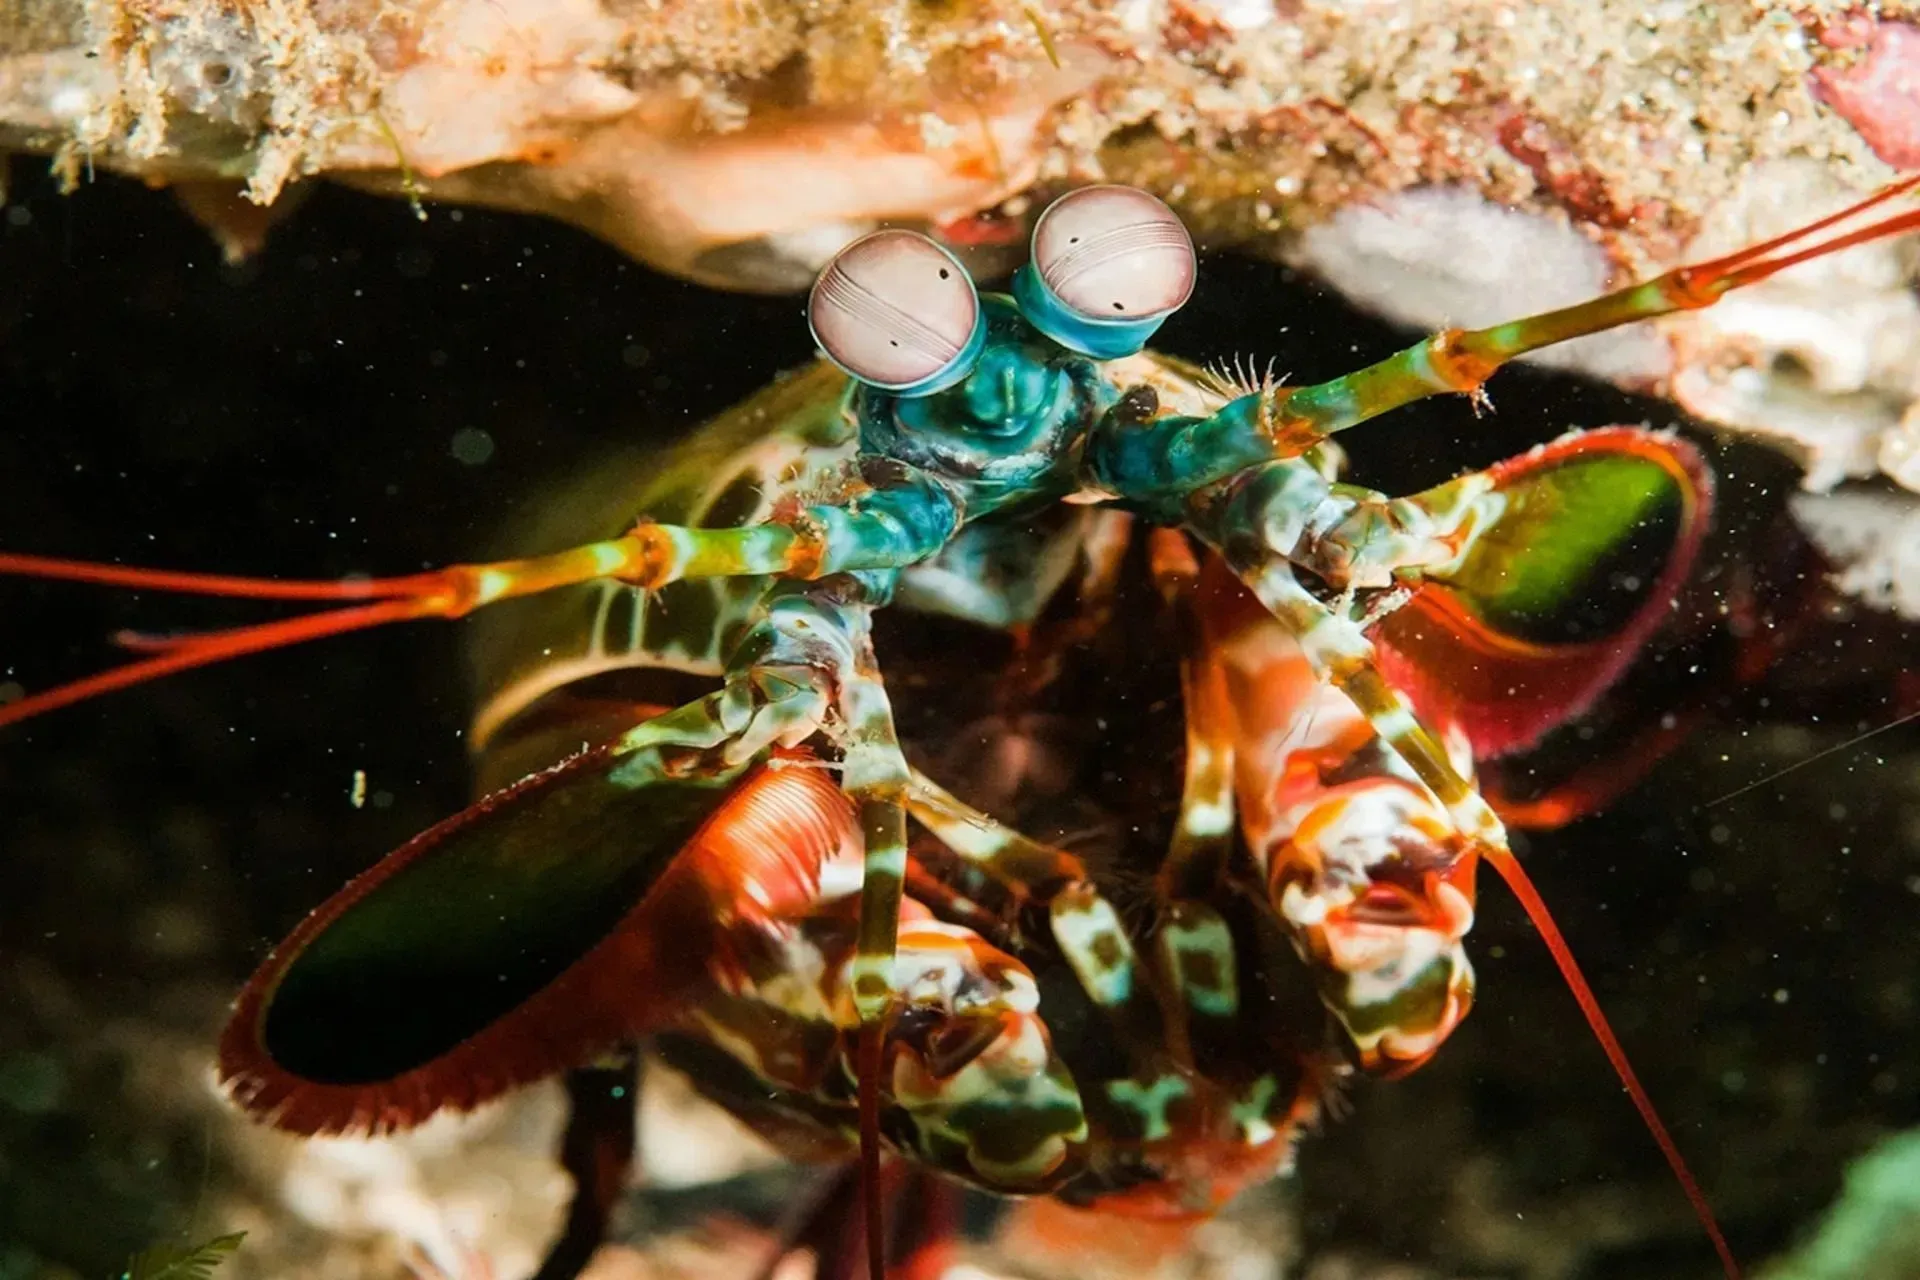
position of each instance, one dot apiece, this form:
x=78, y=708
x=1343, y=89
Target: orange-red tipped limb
x=1707, y=281
x=1456, y=360
x=441, y=593
x=1517, y=880
x=186, y=652
x=212, y=584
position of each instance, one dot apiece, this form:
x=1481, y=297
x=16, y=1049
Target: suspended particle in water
x=472, y=446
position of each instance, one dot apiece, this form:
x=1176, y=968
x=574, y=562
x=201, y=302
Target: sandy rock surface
x=1567, y=146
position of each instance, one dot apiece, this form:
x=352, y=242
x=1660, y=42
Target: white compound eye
x=897, y=312
x=1114, y=254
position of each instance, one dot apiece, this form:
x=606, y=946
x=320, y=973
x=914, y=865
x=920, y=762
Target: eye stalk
x=899, y=313
x=1110, y=264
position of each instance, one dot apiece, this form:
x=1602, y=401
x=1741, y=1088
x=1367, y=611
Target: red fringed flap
x=1597, y=536
x=547, y=923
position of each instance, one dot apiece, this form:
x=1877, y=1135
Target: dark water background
x=319, y=411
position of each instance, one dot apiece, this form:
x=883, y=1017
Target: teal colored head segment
x=899, y=313
x=1004, y=434
x=1109, y=265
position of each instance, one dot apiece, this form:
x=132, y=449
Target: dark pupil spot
x=892, y=342
x=1074, y=240
x=1119, y=306
x=945, y=274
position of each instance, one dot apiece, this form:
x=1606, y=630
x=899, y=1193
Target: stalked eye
x=1109, y=264
x=1114, y=253
x=899, y=313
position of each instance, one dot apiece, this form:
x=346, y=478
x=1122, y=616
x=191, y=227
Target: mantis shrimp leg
x=1154, y=1002
x=901, y=521
x=1085, y=925
x=1203, y=832
x=1174, y=1003
x=1339, y=651
x=597, y=1150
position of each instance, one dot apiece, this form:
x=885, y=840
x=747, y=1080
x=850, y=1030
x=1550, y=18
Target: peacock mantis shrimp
x=733, y=879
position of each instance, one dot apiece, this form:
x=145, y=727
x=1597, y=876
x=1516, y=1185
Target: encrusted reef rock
x=1444, y=160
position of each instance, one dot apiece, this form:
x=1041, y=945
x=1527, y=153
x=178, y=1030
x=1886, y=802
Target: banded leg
x=811, y=648
x=777, y=693
x=1026, y=869
x=829, y=638
x=899, y=522
x=1203, y=833
x=1175, y=1006
x=1031, y=871
x=875, y=777
x=1168, y=458
x=1338, y=649
x=1087, y=929
x=970, y=1084
x=1192, y=946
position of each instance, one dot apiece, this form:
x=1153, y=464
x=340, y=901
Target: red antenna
x=451, y=592
x=1517, y=880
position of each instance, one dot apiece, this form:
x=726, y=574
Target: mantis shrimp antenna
x=824, y=540
x=443, y=593
x=1456, y=360
x=1509, y=869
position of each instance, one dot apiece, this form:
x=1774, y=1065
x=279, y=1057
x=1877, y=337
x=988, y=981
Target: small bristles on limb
x=1241, y=376
x=1521, y=884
